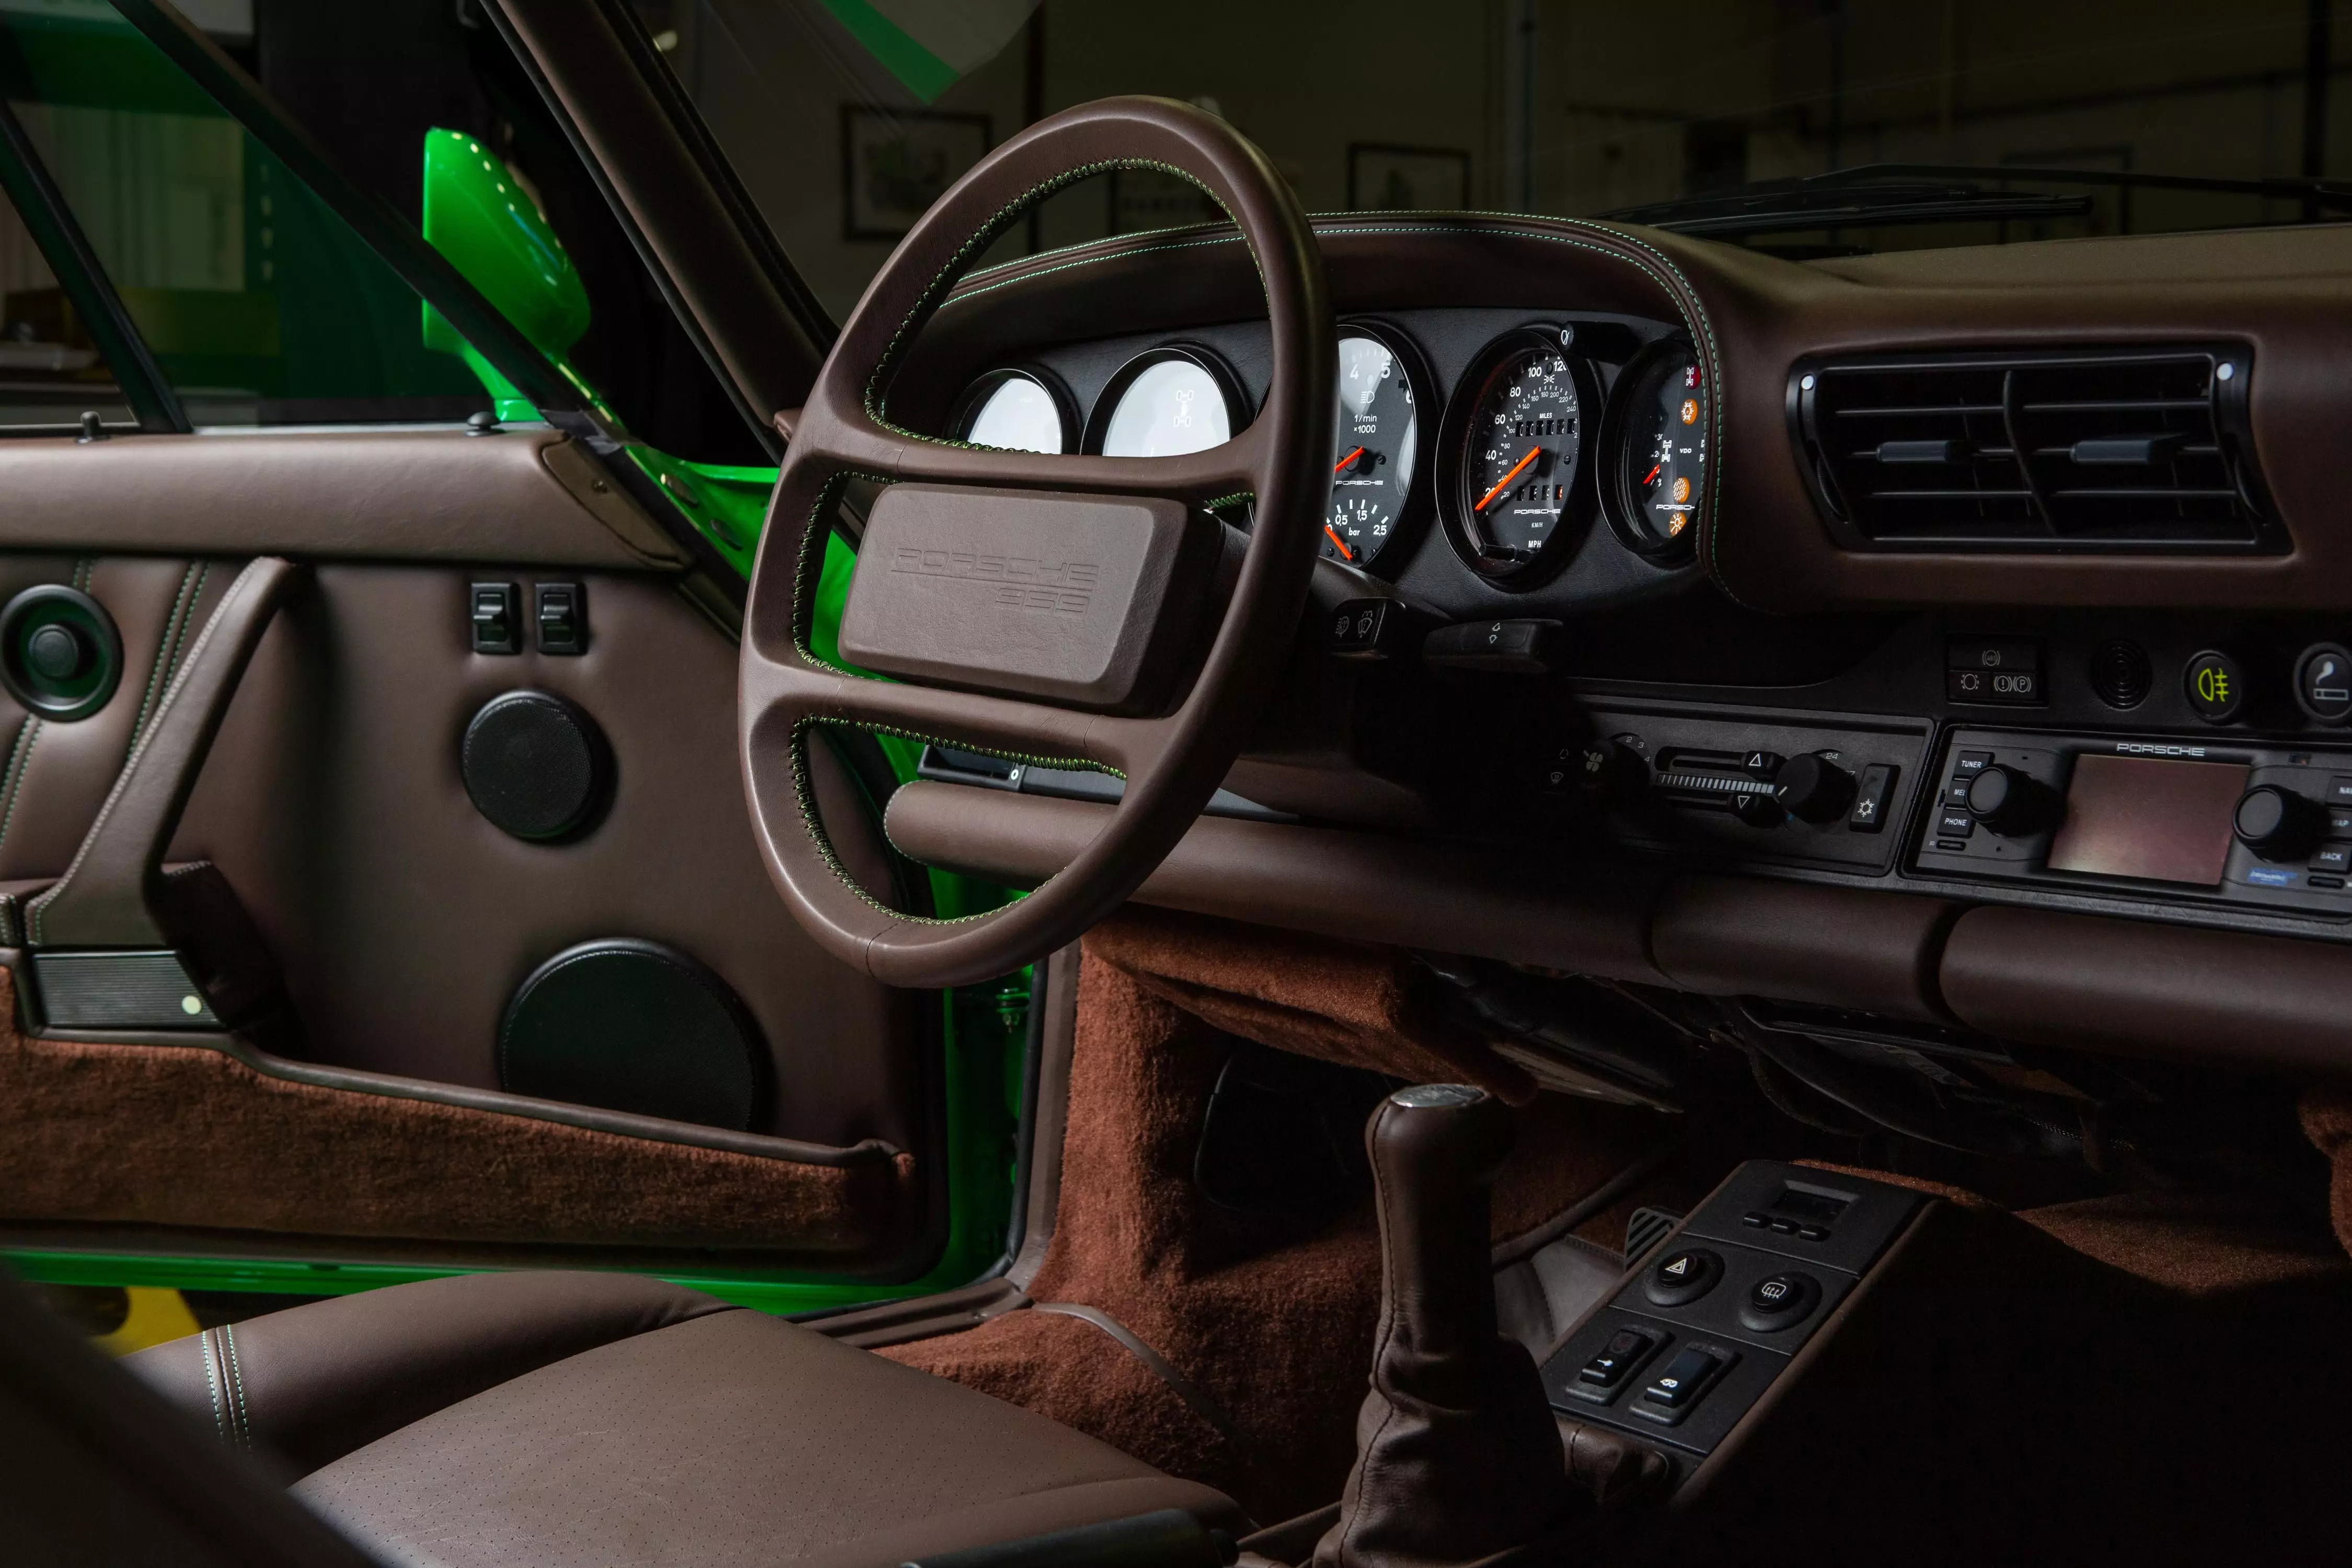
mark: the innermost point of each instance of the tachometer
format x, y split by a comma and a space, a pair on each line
1166, 402
1377, 441
1655, 438
1518, 481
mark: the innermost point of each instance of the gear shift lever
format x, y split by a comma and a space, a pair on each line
1457, 1456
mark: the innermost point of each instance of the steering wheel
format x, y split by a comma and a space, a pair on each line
1141, 523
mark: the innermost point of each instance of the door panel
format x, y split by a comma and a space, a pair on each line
404, 919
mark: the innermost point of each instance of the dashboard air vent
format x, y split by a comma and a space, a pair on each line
2142, 450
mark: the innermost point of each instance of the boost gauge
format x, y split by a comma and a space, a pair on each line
1518, 481
1655, 438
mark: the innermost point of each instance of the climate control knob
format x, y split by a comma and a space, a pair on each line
2010, 803
1814, 788
2277, 823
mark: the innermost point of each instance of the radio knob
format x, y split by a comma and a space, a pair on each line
2277, 823
2010, 803
1814, 788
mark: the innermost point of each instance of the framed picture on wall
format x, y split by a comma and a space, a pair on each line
896, 164
1395, 179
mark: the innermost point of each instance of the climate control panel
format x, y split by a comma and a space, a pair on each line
1743, 787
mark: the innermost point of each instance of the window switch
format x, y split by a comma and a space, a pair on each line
562, 618
1626, 1350
496, 615
1673, 1392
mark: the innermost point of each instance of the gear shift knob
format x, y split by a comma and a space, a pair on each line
1457, 1456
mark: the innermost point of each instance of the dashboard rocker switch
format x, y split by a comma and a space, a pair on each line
1370, 629
1868, 814
1495, 647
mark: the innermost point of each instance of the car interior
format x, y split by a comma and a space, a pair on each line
1020, 786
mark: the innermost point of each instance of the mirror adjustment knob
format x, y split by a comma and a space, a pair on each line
2277, 823
2010, 803
1814, 788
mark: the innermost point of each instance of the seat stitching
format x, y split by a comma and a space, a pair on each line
243, 1412
212, 1382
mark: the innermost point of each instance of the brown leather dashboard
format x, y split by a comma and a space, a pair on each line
2124, 986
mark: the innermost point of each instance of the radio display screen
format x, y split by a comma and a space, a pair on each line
2153, 818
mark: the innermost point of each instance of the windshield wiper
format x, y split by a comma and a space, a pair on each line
1875, 196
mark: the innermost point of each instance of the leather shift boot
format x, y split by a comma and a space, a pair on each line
1457, 1456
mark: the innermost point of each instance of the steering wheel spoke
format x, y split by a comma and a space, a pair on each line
1085, 549
1216, 474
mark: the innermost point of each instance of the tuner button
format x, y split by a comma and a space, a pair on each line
1815, 788
2277, 823
2007, 802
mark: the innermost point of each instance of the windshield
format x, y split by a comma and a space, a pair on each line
845, 117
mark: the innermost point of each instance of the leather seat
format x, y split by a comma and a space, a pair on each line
555, 1417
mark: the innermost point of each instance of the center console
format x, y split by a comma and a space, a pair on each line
1715, 1315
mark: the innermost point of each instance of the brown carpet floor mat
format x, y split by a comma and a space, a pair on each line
1271, 1319
183, 1135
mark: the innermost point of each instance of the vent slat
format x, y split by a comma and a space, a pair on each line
2113, 450
1909, 413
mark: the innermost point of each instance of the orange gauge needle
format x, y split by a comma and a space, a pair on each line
1505, 482
1345, 554
1348, 460
1652, 474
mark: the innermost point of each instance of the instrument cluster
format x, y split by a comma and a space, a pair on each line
1514, 445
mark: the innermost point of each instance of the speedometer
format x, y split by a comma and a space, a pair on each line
1655, 438
1377, 467
1517, 449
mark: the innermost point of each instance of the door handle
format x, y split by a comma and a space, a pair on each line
115, 893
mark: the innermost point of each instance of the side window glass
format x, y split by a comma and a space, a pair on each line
51, 373
261, 305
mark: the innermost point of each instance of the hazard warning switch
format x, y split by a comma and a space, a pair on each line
1683, 1276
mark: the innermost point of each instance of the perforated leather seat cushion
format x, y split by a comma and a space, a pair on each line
734, 1438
